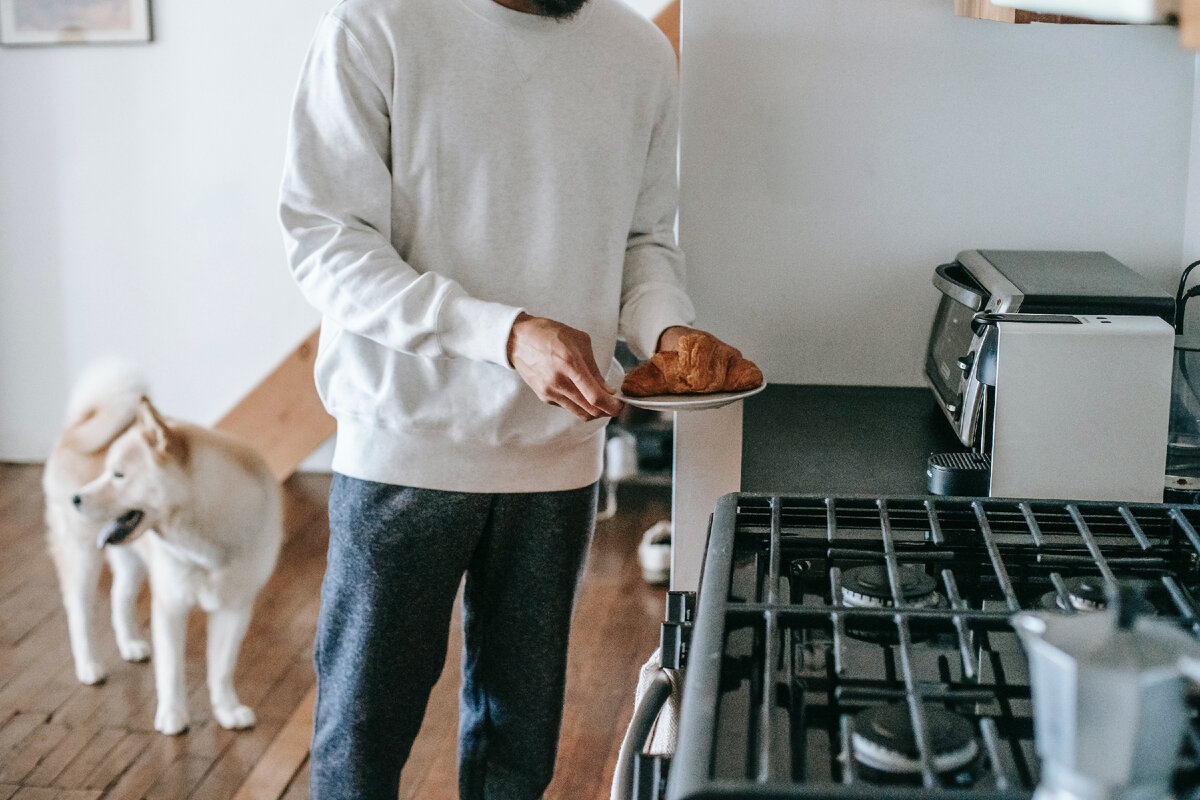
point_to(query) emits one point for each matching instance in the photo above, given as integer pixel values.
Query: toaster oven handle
(969, 296)
(981, 321)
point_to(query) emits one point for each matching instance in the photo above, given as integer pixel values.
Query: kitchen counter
(841, 440)
(799, 439)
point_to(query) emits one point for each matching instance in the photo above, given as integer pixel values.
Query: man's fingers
(593, 389)
(591, 394)
(571, 397)
(557, 362)
(575, 408)
(594, 369)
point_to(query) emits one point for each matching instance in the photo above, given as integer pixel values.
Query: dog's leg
(78, 573)
(129, 571)
(168, 627)
(226, 628)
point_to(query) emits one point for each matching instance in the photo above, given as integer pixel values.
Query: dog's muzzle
(119, 529)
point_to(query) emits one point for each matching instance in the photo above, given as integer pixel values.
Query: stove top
(861, 647)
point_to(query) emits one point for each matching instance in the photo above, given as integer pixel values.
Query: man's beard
(558, 9)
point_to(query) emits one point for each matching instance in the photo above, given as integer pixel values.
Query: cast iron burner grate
(791, 692)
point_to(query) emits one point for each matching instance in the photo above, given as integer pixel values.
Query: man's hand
(669, 338)
(557, 362)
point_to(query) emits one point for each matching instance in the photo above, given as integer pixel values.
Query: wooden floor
(60, 739)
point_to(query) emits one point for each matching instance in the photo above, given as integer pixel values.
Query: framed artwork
(46, 22)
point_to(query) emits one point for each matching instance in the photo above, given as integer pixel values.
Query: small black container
(959, 474)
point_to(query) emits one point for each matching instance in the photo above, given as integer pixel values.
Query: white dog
(103, 404)
(210, 511)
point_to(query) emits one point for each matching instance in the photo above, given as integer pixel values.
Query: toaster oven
(987, 285)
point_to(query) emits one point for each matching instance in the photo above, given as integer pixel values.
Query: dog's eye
(118, 475)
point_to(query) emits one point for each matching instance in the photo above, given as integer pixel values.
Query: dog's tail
(104, 402)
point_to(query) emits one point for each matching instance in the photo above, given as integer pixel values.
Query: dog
(197, 510)
(103, 404)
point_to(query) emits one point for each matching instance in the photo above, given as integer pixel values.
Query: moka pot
(1109, 691)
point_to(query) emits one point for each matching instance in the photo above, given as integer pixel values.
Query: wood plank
(249, 748)
(152, 761)
(112, 766)
(298, 788)
(110, 750)
(102, 746)
(23, 611)
(18, 482)
(16, 728)
(38, 793)
(668, 22)
(45, 676)
(22, 759)
(1189, 24)
(179, 778)
(985, 9)
(287, 753)
(283, 417)
(54, 762)
(608, 650)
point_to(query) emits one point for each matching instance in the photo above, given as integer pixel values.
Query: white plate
(689, 402)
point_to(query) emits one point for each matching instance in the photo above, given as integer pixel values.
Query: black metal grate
(779, 665)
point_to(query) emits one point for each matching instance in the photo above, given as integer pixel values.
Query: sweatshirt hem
(429, 460)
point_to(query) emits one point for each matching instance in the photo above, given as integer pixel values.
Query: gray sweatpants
(396, 557)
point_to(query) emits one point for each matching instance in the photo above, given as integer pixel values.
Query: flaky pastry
(699, 364)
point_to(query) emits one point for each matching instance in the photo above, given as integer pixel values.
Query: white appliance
(1082, 408)
(1055, 368)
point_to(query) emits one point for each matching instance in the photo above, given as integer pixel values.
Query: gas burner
(885, 748)
(1085, 594)
(869, 587)
(839, 722)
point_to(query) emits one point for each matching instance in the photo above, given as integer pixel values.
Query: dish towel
(665, 732)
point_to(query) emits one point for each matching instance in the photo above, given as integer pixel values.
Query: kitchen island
(799, 439)
(841, 440)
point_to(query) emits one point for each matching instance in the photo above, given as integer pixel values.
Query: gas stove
(862, 647)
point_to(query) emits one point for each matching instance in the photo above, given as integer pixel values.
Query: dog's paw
(170, 721)
(134, 650)
(90, 672)
(235, 717)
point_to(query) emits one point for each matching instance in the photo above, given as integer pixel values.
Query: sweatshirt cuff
(653, 318)
(476, 329)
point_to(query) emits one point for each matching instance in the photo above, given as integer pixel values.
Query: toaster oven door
(953, 347)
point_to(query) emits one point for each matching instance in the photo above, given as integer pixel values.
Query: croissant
(699, 364)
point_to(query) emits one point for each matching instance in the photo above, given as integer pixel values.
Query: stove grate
(782, 666)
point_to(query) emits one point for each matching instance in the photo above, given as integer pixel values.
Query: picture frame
(57, 22)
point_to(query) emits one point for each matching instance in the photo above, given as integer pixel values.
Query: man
(479, 197)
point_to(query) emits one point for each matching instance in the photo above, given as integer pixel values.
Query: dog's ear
(152, 425)
(166, 441)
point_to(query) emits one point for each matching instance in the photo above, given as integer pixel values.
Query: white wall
(835, 151)
(138, 184)
(137, 211)
(1191, 231)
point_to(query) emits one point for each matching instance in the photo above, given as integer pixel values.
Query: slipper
(654, 553)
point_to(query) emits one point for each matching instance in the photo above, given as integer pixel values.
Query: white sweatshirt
(450, 164)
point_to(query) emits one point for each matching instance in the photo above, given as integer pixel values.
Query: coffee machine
(1054, 368)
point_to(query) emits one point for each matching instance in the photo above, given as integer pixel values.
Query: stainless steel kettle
(1109, 691)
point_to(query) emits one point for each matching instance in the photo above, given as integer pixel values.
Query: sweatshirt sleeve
(653, 297)
(336, 211)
